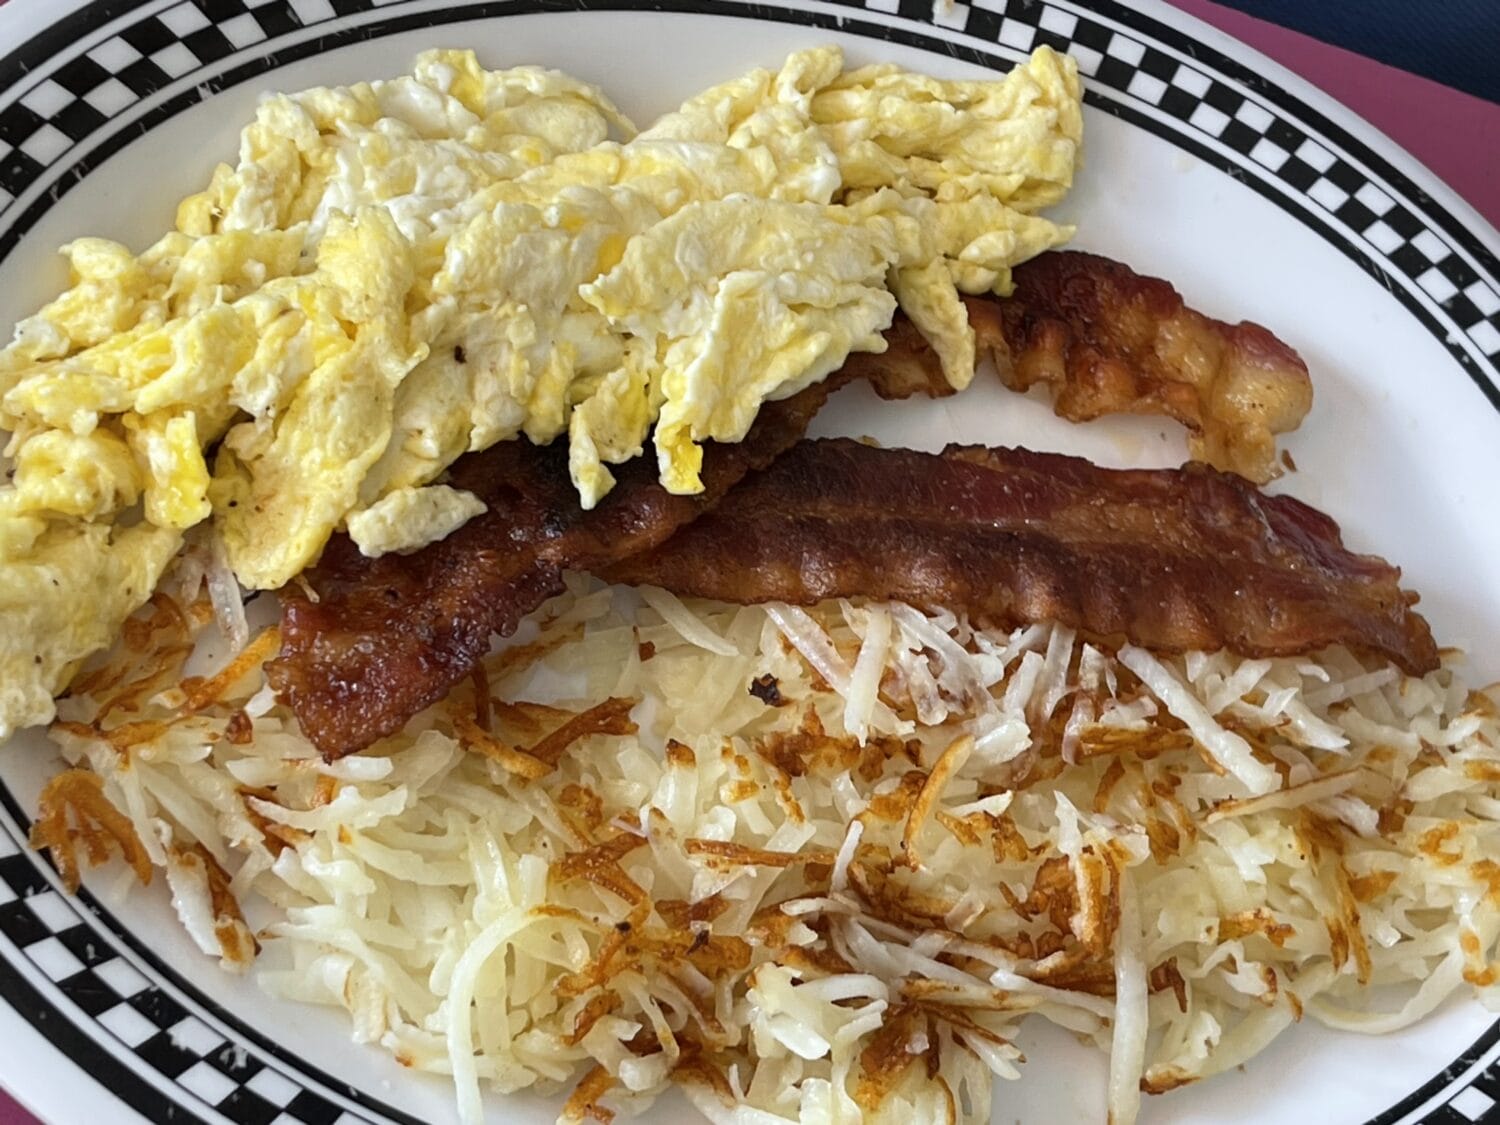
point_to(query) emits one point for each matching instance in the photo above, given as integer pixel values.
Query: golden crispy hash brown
(74, 815)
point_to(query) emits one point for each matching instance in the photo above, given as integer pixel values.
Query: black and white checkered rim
(104, 76)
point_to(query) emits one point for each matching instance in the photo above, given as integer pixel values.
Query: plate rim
(1310, 93)
(1436, 200)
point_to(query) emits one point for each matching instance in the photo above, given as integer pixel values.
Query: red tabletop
(1438, 125)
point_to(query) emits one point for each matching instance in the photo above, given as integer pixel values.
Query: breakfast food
(1174, 560)
(1106, 340)
(396, 273)
(1171, 559)
(809, 859)
(810, 865)
(366, 644)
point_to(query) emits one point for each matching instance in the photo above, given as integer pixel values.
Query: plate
(1206, 164)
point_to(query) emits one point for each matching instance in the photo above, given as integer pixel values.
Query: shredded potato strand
(833, 897)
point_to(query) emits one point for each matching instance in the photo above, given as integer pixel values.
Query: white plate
(1206, 164)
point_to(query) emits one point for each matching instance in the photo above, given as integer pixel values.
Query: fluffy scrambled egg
(396, 273)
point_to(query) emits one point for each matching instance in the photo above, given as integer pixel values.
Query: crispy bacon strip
(380, 639)
(388, 637)
(1107, 340)
(1173, 559)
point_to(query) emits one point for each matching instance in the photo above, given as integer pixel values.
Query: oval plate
(1207, 164)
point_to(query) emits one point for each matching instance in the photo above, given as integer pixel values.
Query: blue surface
(1455, 42)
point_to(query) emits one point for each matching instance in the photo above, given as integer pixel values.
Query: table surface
(1437, 125)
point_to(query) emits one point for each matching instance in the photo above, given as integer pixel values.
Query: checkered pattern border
(1477, 1102)
(81, 97)
(1267, 141)
(140, 1017)
(1471, 1096)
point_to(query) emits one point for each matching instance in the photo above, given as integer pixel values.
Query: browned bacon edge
(1107, 340)
(1172, 560)
(381, 639)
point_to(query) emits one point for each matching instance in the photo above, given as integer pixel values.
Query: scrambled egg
(396, 273)
(410, 518)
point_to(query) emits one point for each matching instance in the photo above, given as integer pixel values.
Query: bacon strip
(1172, 560)
(381, 639)
(378, 640)
(1108, 340)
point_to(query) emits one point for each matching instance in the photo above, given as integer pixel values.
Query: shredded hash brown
(628, 862)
